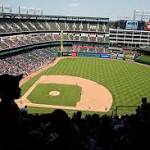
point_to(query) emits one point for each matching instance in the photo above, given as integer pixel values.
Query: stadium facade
(130, 34)
(22, 32)
(26, 30)
(129, 38)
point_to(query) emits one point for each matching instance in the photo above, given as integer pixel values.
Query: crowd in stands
(14, 41)
(14, 26)
(9, 42)
(20, 130)
(86, 49)
(27, 62)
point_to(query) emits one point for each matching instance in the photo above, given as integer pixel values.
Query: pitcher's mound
(54, 93)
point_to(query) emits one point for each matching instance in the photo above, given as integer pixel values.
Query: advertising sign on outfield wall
(74, 54)
(132, 25)
(66, 54)
(82, 54)
(104, 55)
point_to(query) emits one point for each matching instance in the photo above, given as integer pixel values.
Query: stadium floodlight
(38, 11)
(5, 8)
(1, 8)
(141, 15)
(31, 11)
(23, 10)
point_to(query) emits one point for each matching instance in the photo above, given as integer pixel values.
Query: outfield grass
(127, 82)
(69, 94)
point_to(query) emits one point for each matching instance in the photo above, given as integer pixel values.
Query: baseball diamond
(94, 97)
(118, 77)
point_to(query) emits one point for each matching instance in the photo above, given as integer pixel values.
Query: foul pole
(62, 42)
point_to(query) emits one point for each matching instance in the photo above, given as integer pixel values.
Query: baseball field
(124, 82)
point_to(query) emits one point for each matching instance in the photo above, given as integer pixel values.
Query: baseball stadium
(78, 65)
(48, 49)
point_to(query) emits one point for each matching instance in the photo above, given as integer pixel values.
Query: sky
(113, 9)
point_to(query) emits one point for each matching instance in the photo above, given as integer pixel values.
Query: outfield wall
(85, 54)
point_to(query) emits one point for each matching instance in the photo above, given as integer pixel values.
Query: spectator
(9, 90)
(57, 131)
(9, 112)
(24, 110)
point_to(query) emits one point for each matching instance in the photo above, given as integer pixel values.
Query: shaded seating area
(57, 130)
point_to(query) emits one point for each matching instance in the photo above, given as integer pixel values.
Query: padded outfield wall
(85, 54)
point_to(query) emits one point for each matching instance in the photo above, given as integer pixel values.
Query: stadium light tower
(38, 11)
(5, 8)
(22, 10)
(141, 15)
(31, 11)
(1, 8)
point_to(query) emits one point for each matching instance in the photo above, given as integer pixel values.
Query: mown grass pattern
(69, 94)
(127, 82)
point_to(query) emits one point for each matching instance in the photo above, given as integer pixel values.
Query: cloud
(73, 5)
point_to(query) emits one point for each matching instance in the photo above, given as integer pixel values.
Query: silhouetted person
(9, 111)
(24, 110)
(67, 135)
(145, 109)
(9, 91)
(144, 101)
